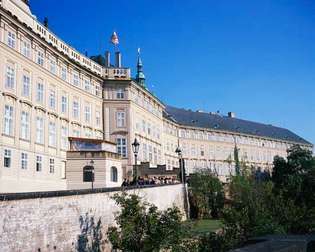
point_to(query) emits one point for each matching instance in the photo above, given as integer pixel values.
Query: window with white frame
(75, 109)
(97, 90)
(64, 73)
(11, 39)
(64, 104)
(87, 113)
(154, 155)
(76, 133)
(150, 153)
(76, 79)
(98, 134)
(7, 158)
(64, 137)
(39, 163)
(158, 132)
(52, 134)
(24, 159)
(8, 120)
(51, 165)
(145, 153)
(26, 48)
(159, 155)
(10, 76)
(40, 58)
(92, 88)
(88, 132)
(193, 150)
(52, 99)
(25, 125)
(40, 92)
(87, 85)
(26, 83)
(39, 130)
(122, 146)
(98, 118)
(120, 118)
(52, 64)
(120, 93)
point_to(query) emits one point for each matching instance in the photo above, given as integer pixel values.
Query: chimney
(231, 114)
(118, 59)
(107, 59)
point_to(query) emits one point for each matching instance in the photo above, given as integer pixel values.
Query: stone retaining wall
(50, 221)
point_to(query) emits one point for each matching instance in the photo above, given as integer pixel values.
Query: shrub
(142, 227)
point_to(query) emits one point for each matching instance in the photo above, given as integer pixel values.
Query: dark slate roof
(225, 123)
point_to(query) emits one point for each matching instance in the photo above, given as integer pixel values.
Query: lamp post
(135, 149)
(180, 158)
(182, 171)
(92, 170)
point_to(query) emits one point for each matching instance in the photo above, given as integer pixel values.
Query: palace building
(51, 93)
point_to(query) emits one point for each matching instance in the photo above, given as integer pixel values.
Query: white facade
(51, 92)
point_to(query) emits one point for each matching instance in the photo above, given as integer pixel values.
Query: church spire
(140, 78)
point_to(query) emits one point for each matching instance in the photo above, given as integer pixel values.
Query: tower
(140, 78)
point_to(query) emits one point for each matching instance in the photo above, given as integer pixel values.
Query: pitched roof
(229, 124)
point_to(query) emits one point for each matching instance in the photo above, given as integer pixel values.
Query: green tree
(294, 181)
(250, 211)
(289, 175)
(206, 194)
(142, 227)
(236, 160)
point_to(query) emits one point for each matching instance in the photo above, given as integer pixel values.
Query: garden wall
(50, 221)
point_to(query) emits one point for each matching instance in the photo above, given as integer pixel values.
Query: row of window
(148, 128)
(25, 128)
(170, 129)
(24, 161)
(195, 134)
(147, 103)
(170, 164)
(50, 63)
(52, 96)
(227, 153)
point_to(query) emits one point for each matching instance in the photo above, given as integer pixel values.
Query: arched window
(88, 173)
(113, 174)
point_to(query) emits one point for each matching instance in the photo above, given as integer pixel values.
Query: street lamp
(181, 166)
(182, 171)
(135, 148)
(92, 170)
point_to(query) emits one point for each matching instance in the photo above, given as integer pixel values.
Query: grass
(205, 226)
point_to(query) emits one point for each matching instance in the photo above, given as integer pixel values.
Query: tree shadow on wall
(91, 238)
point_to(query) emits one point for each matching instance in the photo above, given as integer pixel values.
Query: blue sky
(256, 58)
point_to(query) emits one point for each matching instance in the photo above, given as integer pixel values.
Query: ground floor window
(88, 173)
(24, 158)
(114, 174)
(51, 165)
(7, 158)
(39, 165)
